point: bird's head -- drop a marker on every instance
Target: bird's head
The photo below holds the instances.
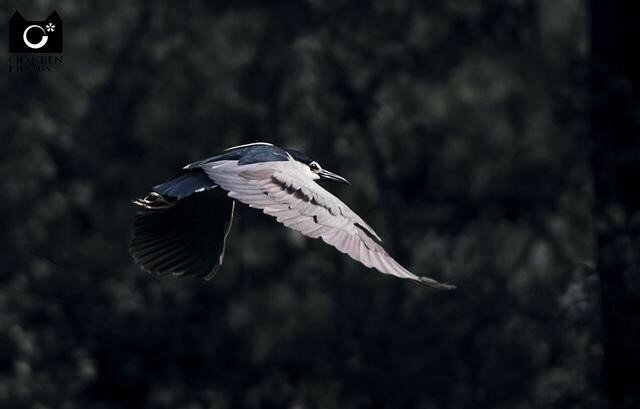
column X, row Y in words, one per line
column 316, row 172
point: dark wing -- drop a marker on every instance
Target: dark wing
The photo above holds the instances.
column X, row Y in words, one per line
column 182, row 236
column 281, row 191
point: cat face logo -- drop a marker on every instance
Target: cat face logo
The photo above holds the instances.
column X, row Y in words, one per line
column 35, row 36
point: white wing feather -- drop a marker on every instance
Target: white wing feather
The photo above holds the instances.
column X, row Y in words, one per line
column 281, row 190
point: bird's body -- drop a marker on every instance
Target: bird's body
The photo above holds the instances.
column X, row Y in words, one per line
column 181, row 227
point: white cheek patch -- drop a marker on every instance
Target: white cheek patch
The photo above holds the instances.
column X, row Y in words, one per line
column 310, row 173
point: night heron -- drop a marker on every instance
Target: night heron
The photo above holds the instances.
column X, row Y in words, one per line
column 181, row 227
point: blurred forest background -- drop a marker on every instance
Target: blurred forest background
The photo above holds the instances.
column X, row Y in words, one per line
column 492, row 144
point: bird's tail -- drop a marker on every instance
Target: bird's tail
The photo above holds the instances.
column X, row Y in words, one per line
column 185, row 184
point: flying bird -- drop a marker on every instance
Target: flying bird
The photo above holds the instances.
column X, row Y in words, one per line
column 181, row 227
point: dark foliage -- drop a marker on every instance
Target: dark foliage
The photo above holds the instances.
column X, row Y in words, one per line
column 463, row 127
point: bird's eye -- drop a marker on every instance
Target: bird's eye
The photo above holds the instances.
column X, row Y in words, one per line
column 314, row 166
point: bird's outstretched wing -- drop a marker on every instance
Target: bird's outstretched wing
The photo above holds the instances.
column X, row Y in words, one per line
column 301, row 204
column 181, row 236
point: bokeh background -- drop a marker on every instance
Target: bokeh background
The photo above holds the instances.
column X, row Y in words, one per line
column 492, row 144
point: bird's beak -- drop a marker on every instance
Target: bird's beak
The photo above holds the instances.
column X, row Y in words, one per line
column 326, row 175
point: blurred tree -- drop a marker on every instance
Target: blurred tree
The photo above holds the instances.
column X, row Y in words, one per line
column 462, row 127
